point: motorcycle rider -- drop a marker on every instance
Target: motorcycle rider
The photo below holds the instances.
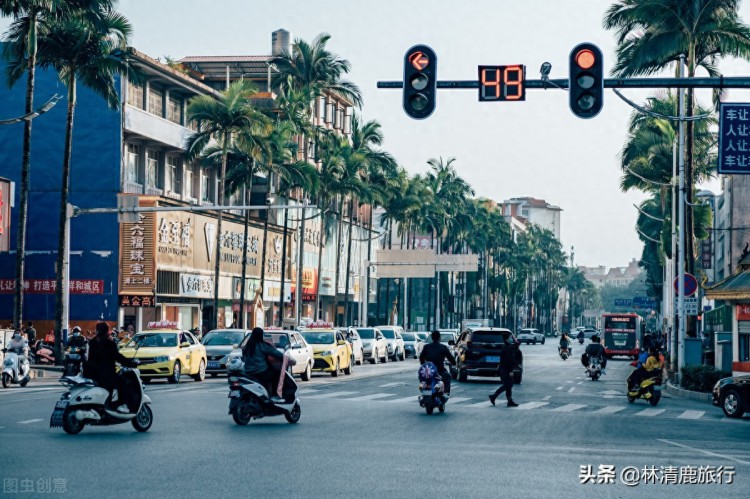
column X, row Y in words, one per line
column 595, row 349
column 20, row 346
column 255, row 354
column 437, row 353
column 102, row 357
column 653, row 364
column 78, row 340
column 564, row 343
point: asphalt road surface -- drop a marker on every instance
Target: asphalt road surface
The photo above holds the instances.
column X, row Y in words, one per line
column 364, row 435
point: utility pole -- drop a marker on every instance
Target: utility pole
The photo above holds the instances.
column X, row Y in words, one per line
column 681, row 227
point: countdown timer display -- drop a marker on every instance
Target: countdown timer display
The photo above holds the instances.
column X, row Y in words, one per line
column 502, row 83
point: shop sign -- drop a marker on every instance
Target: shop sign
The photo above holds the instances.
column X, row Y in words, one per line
column 743, row 311
column 137, row 265
column 200, row 286
column 48, row 286
column 137, row 301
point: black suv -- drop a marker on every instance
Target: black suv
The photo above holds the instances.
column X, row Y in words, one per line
column 478, row 353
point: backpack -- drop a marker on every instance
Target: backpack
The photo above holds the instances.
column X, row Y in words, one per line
column 427, row 371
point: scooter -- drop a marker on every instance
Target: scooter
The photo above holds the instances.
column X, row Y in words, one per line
column 580, row 340
column 649, row 389
column 564, row 352
column 85, row 403
column 594, row 370
column 12, row 371
column 73, row 361
column 249, row 399
column 431, row 388
column 42, row 353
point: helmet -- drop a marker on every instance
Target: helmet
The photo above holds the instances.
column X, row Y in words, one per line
column 595, row 338
column 76, row 330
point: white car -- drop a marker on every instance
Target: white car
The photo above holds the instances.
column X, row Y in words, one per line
column 530, row 335
column 396, row 350
column 446, row 337
column 358, row 349
column 374, row 344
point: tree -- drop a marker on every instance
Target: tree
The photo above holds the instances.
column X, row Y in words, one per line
column 221, row 117
column 87, row 46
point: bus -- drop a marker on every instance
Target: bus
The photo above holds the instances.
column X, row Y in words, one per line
column 622, row 334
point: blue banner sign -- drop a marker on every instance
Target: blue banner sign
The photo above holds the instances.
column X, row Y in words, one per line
column 734, row 138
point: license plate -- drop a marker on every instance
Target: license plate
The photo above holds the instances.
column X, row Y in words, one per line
column 213, row 365
column 61, row 404
column 234, row 393
column 492, row 359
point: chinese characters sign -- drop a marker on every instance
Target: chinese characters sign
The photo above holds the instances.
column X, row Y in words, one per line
column 734, row 138
column 200, row 286
column 137, row 266
column 48, row 286
column 137, row 301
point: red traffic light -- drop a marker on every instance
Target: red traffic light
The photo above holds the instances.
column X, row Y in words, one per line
column 419, row 60
column 585, row 59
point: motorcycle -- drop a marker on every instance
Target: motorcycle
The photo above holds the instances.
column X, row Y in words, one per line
column 86, row 403
column 431, row 388
column 249, row 399
column 42, row 353
column 649, row 389
column 73, row 361
column 12, row 371
column 564, row 352
column 580, row 340
column 594, row 369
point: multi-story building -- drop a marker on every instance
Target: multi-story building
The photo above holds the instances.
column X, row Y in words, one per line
column 535, row 211
column 619, row 277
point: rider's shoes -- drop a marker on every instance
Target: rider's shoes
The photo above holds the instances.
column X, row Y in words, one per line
column 123, row 409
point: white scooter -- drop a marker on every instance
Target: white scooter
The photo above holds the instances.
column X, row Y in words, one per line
column 12, row 371
column 86, row 403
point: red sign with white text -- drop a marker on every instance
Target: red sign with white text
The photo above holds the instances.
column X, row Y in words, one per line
column 48, row 286
column 743, row 311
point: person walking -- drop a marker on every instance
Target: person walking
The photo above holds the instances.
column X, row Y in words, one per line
column 508, row 362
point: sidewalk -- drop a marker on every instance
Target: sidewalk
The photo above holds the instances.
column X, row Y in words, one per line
column 681, row 392
column 46, row 373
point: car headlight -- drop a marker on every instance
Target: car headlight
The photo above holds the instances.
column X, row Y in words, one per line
column 161, row 358
column 327, row 353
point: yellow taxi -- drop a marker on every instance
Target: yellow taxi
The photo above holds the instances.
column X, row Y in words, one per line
column 165, row 351
column 331, row 352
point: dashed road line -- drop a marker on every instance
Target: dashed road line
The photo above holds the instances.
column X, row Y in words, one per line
column 609, row 409
column 691, row 415
column 559, row 388
column 572, row 389
column 649, row 412
column 397, row 383
column 372, row 396
column 569, row 407
column 458, row 400
column 28, row 421
column 532, row 405
column 330, row 395
column 402, row 400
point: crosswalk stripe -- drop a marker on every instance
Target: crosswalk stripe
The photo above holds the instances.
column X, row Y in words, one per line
column 30, row 421
column 572, row 389
column 569, row 407
column 305, row 391
column 650, row 412
column 532, row 405
column 458, row 400
column 609, row 409
column 31, row 390
column 330, row 395
column 402, row 400
column 397, row 383
column 559, row 388
column 486, row 403
column 372, row 396
column 691, row 415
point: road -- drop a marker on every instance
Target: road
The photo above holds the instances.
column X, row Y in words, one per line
column 364, row 435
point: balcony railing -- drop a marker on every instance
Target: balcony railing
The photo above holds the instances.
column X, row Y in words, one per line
column 132, row 187
column 153, row 191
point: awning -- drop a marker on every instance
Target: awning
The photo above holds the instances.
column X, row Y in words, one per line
column 734, row 287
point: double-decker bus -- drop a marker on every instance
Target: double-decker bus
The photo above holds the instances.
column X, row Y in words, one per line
column 622, row 334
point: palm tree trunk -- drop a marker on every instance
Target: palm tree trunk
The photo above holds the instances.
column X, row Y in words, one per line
column 62, row 257
column 367, row 278
column 243, row 274
column 320, row 261
column 23, row 207
column 220, row 202
column 283, row 266
column 348, row 262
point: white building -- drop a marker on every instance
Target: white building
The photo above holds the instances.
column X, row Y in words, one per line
column 536, row 211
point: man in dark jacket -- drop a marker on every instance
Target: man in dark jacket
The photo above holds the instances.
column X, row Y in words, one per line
column 508, row 362
column 101, row 366
column 437, row 353
column 30, row 333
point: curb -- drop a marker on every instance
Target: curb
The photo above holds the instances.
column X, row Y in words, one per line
column 681, row 392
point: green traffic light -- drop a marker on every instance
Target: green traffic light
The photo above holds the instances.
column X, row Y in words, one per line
column 418, row 102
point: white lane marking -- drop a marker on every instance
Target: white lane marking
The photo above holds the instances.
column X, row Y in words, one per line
column 532, row 405
column 569, row 381
column 609, row 409
column 330, row 395
column 372, row 396
column 305, row 391
column 458, row 400
column 486, row 403
column 403, row 400
column 579, row 383
column 569, row 407
column 649, row 412
column 19, row 390
column 559, row 388
column 691, row 415
column 30, row 421
column 547, row 397
column 714, row 454
column 177, row 390
column 397, row 383
column 572, row 389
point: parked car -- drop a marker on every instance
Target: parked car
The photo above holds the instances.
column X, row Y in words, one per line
column 374, row 344
column 478, row 353
column 395, row 342
column 301, row 351
column 448, row 337
column 358, row 349
column 167, row 352
column 219, row 345
column 332, row 352
column 530, row 335
column 412, row 343
column 733, row 395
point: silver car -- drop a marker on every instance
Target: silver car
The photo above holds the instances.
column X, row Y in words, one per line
column 219, row 345
column 358, row 348
column 298, row 348
column 413, row 344
column 374, row 344
column 396, row 348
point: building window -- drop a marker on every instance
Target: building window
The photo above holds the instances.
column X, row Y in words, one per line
column 205, row 185
column 174, row 109
column 171, row 174
column 188, row 182
column 152, row 165
column 156, row 101
column 131, row 163
column 135, row 94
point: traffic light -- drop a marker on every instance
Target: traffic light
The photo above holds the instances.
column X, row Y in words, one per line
column 420, row 81
column 586, row 92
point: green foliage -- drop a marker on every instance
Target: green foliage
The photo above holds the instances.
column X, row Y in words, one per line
column 701, row 378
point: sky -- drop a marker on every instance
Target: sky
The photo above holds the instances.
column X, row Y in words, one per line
column 533, row 148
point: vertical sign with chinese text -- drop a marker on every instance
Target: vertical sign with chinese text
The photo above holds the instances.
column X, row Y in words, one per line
column 734, row 138
column 137, row 265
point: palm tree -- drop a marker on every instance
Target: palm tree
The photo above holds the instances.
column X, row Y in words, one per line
column 221, row 117
column 90, row 47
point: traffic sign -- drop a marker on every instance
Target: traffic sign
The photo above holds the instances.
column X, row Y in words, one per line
column 734, row 131
column 644, row 302
column 691, row 284
column 691, row 305
column 623, row 302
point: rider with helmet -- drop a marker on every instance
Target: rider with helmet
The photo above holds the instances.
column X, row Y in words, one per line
column 595, row 349
column 77, row 340
column 256, row 353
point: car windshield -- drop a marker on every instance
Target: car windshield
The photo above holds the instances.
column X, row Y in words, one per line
column 487, row 337
column 318, row 338
column 366, row 334
column 446, row 337
column 409, row 337
column 141, row 340
column 528, row 331
column 388, row 333
column 279, row 340
column 222, row 338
